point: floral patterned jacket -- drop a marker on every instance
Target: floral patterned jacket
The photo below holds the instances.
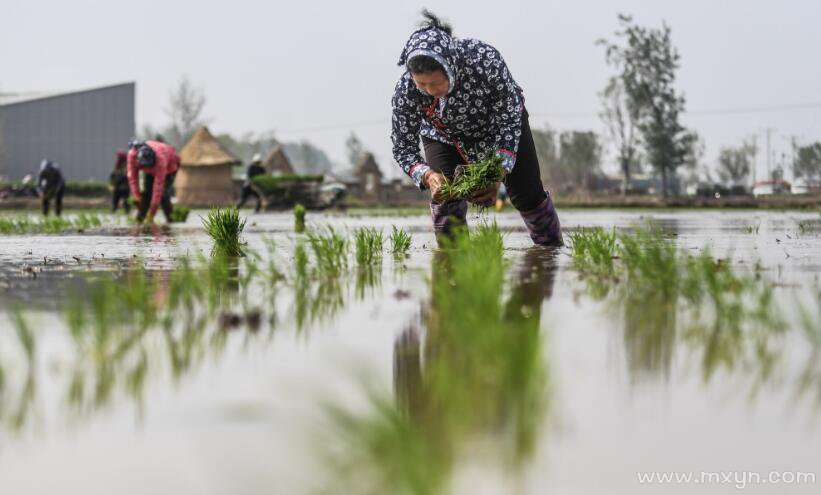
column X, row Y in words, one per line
column 480, row 115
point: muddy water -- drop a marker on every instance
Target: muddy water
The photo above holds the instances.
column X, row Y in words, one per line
column 615, row 388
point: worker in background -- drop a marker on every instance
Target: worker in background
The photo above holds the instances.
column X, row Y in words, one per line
column 118, row 183
column 51, row 185
column 254, row 169
column 159, row 163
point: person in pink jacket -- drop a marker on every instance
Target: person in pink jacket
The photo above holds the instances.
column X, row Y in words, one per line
column 159, row 163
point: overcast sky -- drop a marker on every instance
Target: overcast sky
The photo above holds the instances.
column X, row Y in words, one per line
column 319, row 70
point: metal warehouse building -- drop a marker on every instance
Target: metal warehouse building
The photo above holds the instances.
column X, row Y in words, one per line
column 81, row 131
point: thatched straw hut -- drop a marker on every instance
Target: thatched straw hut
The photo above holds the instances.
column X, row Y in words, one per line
column 204, row 178
column 277, row 163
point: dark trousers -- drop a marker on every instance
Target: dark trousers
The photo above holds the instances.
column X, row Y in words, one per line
column 118, row 195
column 248, row 191
column 57, row 194
column 523, row 184
column 148, row 190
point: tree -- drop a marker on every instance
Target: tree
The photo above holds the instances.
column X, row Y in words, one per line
column 807, row 162
column 735, row 164
column 249, row 144
column 354, row 148
column 580, row 159
column 620, row 118
column 647, row 64
column 185, row 111
column 567, row 160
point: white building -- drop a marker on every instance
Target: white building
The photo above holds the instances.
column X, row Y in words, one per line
column 80, row 130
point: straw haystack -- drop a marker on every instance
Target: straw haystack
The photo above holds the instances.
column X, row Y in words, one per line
column 277, row 163
column 205, row 178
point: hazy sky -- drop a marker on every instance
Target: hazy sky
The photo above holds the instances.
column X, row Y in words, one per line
column 319, row 70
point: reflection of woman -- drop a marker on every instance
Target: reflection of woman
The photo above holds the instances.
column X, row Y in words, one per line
column 458, row 96
column 426, row 364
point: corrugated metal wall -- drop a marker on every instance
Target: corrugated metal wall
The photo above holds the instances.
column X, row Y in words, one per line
column 81, row 131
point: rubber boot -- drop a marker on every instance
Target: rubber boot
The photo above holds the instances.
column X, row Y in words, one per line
column 543, row 224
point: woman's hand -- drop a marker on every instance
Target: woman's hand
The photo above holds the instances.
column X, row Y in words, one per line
column 433, row 181
column 486, row 197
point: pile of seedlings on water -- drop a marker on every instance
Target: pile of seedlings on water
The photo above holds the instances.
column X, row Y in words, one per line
column 299, row 218
column 225, row 228
column 472, row 178
column 400, row 242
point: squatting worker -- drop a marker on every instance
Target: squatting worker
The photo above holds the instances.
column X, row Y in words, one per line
column 51, row 185
column 159, row 163
column 459, row 97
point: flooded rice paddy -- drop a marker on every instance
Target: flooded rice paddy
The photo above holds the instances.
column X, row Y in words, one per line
column 324, row 362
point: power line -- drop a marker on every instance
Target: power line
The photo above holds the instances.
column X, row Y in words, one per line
column 553, row 115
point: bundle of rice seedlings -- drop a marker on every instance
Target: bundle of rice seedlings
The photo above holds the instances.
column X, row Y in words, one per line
column 330, row 252
column 299, row 218
column 400, row 242
column 368, row 243
column 180, row 214
column 225, row 227
column 470, row 179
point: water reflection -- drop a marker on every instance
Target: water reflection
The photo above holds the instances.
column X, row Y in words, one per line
column 469, row 368
column 672, row 302
column 125, row 326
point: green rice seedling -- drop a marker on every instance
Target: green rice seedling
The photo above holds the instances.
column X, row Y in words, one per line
column 299, row 218
column 752, row 229
column 330, row 252
column 180, row 214
column 472, row 178
column 594, row 250
column 400, row 242
column 648, row 255
column 368, row 245
column 225, row 228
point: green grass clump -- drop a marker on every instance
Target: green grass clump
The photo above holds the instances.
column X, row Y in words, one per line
column 225, row 228
column 472, row 178
column 752, row 229
column 180, row 214
column 368, row 246
column 400, row 242
column 330, row 251
column 594, row 250
column 299, row 218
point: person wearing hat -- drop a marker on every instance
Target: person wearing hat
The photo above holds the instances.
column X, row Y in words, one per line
column 118, row 183
column 254, row 169
column 159, row 163
column 51, row 185
column 459, row 98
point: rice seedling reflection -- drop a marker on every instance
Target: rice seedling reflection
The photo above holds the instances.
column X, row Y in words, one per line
column 472, row 365
column 668, row 297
